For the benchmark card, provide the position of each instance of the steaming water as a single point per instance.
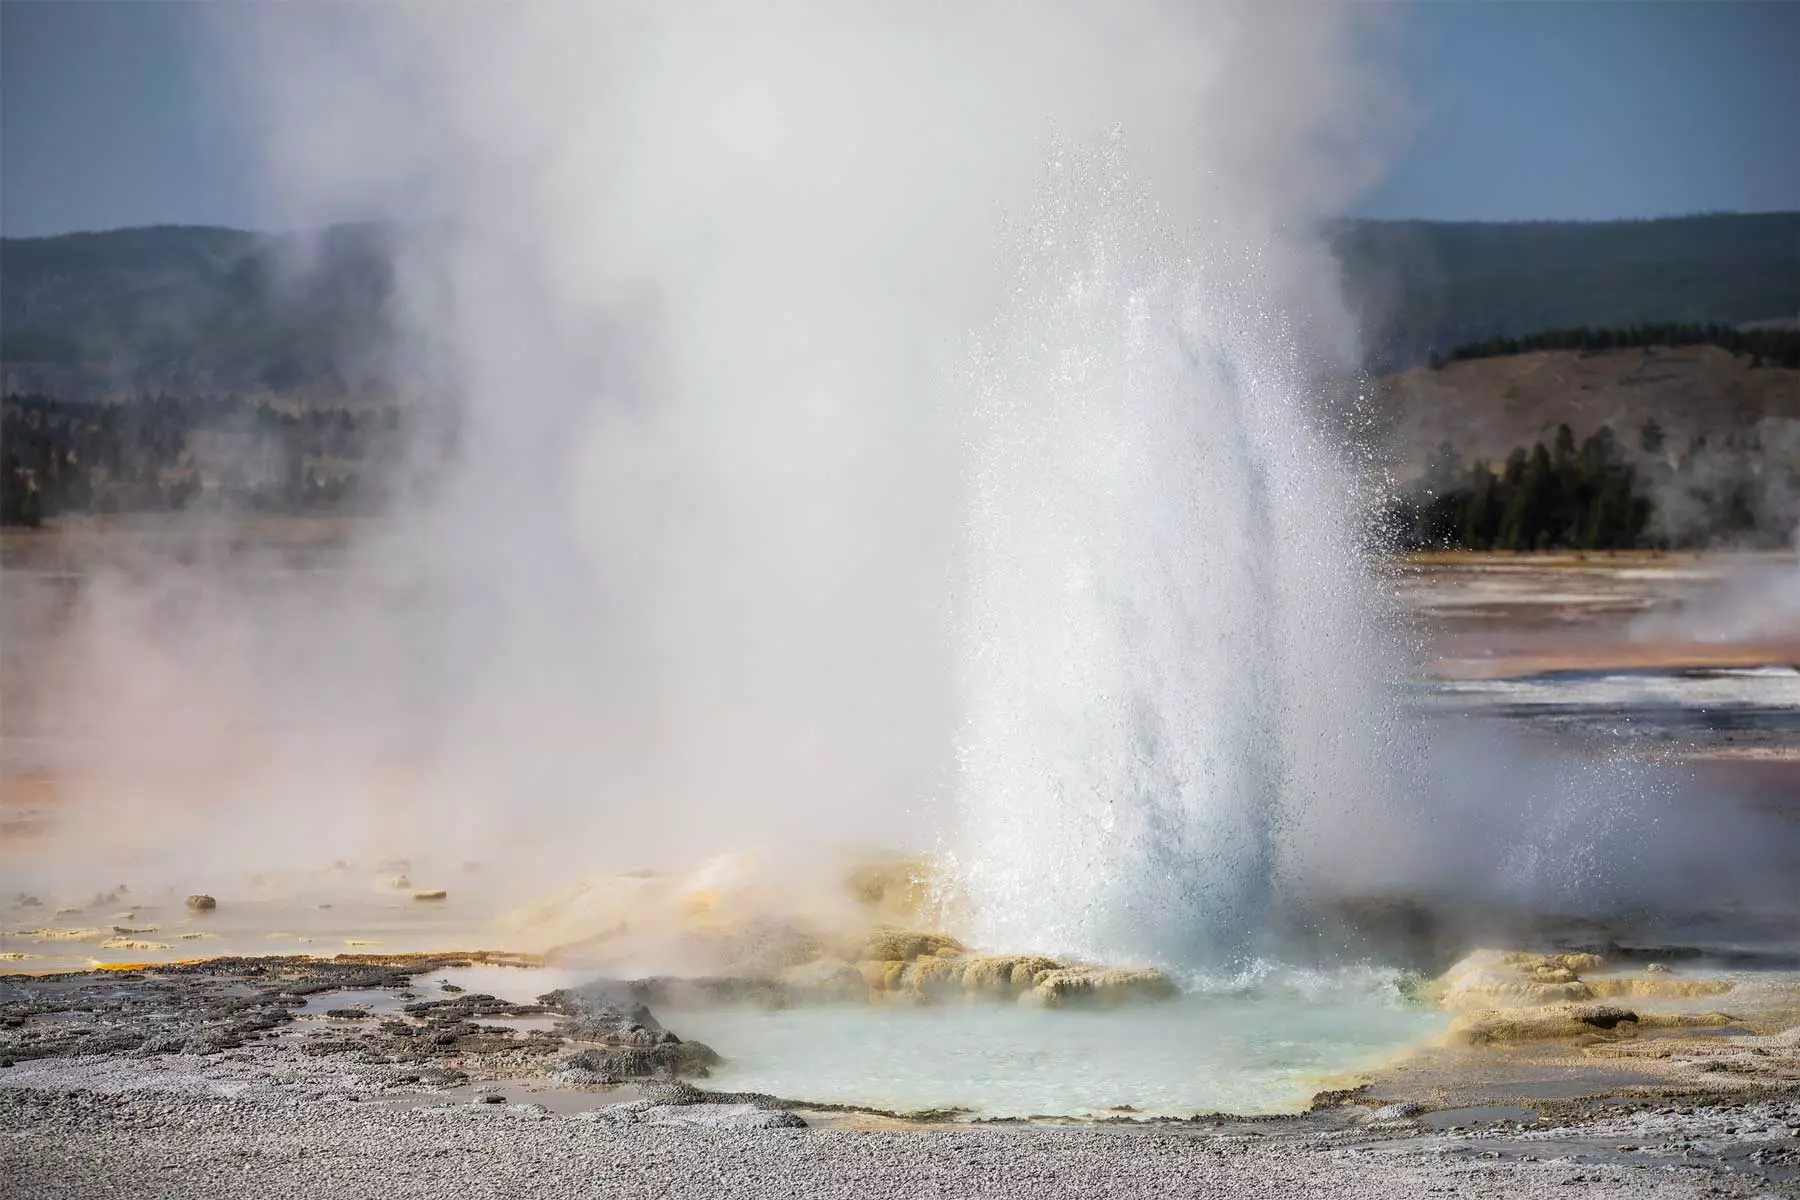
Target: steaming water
(1266, 1041)
(1692, 706)
(1251, 1052)
(1164, 615)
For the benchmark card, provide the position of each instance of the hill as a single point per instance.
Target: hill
(1487, 407)
(200, 310)
(195, 310)
(1430, 286)
(1687, 446)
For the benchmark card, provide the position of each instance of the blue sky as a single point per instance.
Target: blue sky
(1595, 110)
(1548, 109)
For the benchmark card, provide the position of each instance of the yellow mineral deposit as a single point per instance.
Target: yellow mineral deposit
(860, 939)
(1099, 985)
(1503, 996)
(1581, 1023)
(925, 967)
(1489, 978)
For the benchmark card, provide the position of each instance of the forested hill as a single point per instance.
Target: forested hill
(197, 310)
(1427, 287)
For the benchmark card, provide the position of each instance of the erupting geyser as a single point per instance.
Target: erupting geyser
(795, 501)
(1164, 604)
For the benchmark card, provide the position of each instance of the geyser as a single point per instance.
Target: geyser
(701, 286)
(1166, 642)
(734, 542)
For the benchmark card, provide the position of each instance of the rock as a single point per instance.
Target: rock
(1406, 1110)
(201, 902)
(602, 1012)
(347, 1014)
(490, 1098)
(930, 966)
(1625, 987)
(899, 945)
(881, 976)
(1098, 985)
(932, 978)
(664, 1060)
(1488, 979)
(1539, 1023)
(439, 894)
(720, 1116)
(1513, 978)
(1006, 976)
(954, 974)
(1587, 1022)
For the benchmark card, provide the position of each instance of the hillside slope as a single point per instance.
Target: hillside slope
(184, 309)
(190, 309)
(1429, 286)
(1487, 407)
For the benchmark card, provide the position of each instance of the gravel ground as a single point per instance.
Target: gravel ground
(237, 1078)
(152, 1144)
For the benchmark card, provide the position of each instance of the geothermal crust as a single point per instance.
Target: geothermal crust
(732, 939)
(240, 1077)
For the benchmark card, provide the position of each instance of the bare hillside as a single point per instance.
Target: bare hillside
(1486, 407)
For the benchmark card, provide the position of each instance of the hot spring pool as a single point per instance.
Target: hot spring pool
(1244, 1053)
(1258, 1045)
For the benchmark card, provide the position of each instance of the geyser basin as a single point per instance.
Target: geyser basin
(1260, 1051)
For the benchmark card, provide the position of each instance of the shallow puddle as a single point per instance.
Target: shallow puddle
(377, 1002)
(1485, 1114)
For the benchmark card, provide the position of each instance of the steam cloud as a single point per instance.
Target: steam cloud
(695, 287)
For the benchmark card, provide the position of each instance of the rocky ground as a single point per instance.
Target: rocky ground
(365, 1076)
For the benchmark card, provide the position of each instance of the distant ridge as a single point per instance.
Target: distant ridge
(197, 309)
(1427, 286)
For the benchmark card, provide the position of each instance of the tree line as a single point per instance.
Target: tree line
(1601, 495)
(170, 452)
(1766, 347)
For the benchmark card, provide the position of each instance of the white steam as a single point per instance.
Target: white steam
(698, 283)
(835, 388)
